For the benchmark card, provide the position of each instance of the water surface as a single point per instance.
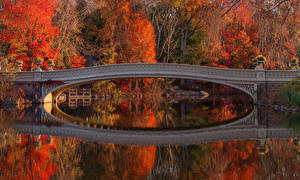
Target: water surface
(38, 154)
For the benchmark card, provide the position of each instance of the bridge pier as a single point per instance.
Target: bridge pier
(32, 91)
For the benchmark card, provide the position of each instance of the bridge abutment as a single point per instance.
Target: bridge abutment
(32, 91)
(269, 93)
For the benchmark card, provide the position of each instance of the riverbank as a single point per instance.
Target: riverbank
(277, 107)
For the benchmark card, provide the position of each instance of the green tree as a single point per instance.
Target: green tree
(291, 92)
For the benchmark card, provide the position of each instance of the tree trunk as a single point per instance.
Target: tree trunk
(183, 42)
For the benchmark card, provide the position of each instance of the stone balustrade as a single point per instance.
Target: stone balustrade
(157, 70)
(245, 80)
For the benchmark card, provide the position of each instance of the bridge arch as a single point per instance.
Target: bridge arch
(237, 79)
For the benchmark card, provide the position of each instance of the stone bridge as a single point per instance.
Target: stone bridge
(256, 83)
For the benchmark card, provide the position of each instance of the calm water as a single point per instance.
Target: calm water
(201, 104)
(38, 155)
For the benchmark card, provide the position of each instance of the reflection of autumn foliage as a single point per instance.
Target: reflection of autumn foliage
(144, 118)
(126, 162)
(219, 114)
(135, 109)
(222, 114)
(225, 160)
(241, 159)
(282, 161)
(105, 113)
(29, 158)
(68, 158)
(11, 115)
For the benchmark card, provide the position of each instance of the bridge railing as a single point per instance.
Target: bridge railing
(277, 75)
(151, 69)
(157, 70)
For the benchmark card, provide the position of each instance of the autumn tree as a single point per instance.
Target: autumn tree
(238, 48)
(135, 36)
(190, 21)
(278, 24)
(69, 41)
(29, 32)
(164, 18)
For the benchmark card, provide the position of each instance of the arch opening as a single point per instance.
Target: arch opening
(77, 120)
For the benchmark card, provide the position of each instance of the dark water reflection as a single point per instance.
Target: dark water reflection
(47, 157)
(198, 105)
(39, 156)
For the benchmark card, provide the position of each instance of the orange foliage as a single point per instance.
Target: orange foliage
(140, 161)
(127, 162)
(136, 36)
(29, 31)
(136, 39)
(77, 62)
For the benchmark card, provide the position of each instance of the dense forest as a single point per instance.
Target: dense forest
(77, 33)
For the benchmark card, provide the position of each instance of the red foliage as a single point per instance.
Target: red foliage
(239, 50)
(29, 31)
(78, 62)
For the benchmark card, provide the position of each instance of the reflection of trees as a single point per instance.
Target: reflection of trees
(7, 117)
(281, 162)
(167, 163)
(38, 157)
(28, 158)
(293, 121)
(68, 158)
(117, 162)
(241, 160)
(105, 112)
(143, 111)
(10, 95)
(168, 114)
(222, 160)
(107, 87)
(206, 114)
(136, 115)
(136, 108)
(44, 157)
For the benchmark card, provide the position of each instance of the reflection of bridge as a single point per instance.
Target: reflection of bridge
(160, 137)
(253, 82)
(247, 128)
